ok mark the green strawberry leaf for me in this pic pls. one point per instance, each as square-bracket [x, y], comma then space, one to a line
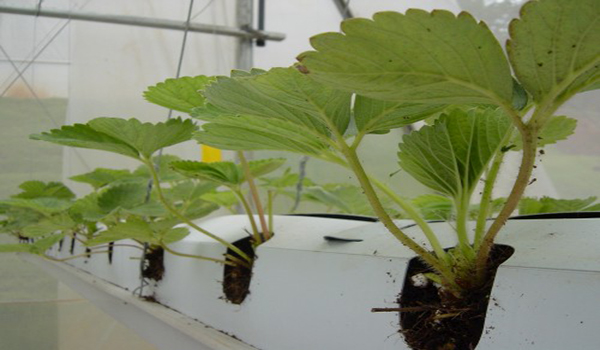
[56, 223]
[165, 173]
[284, 110]
[17, 218]
[557, 128]
[101, 177]
[376, 116]
[250, 133]
[83, 136]
[327, 198]
[222, 173]
[135, 228]
[419, 57]
[181, 94]
[198, 208]
[144, 232]
[189, 190]
[125, 196]
[530, 205]
[227, 174]
[146, 138]
[35, 189]
[283, 94]
[153, 208]
[44, 205]
[131, 137]
[450, 156]
[225, 199]
[434, 207]
[87, 208]
[554, 48]
[287, 179]
[344, 198]
[237, 73]
[174, 234]
[41, 245]
[265, 166]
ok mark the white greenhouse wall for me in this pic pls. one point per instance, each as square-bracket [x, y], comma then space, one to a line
[104, 68]
[22, 37]
[112, 65]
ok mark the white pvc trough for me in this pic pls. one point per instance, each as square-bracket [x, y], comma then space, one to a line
[310, 293]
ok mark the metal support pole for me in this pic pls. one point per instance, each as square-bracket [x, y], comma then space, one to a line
[343, 7]
[261, 21]
[244, 17]
[244, 54]
[241, 32]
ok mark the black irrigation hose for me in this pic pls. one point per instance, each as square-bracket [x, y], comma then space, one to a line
[339, 216]
[565, 215]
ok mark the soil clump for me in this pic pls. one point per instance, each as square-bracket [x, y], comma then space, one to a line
[433, 320]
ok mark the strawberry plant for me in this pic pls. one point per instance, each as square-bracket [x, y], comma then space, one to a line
[396, 69]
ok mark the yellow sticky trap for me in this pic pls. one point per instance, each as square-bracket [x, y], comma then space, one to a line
[211, 154]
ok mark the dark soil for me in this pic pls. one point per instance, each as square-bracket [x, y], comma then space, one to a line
[154, 268]
[236, 279]
[433, 320]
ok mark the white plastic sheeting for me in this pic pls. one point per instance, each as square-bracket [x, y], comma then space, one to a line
[24, 38]
[113, 64]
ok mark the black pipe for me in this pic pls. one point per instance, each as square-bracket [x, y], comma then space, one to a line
[261, 22]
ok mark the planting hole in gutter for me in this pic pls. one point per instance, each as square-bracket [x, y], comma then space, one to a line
[431, 319]
[88, 253]
[111, 249]
[154, 267]
[236, 279]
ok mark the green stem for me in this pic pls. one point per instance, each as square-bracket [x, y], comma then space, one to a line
[185, 220]
[445, 272]
[414, 215]
[404, 205]
[224, 262]
[462, 216]
[77, 238]
[357, 140]
[270, 198]
[74, 256]
[255, 233]
[529, 133]
[521, 182]
[116, 245]
[237, 261]
[266, 234]
[486, 196]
